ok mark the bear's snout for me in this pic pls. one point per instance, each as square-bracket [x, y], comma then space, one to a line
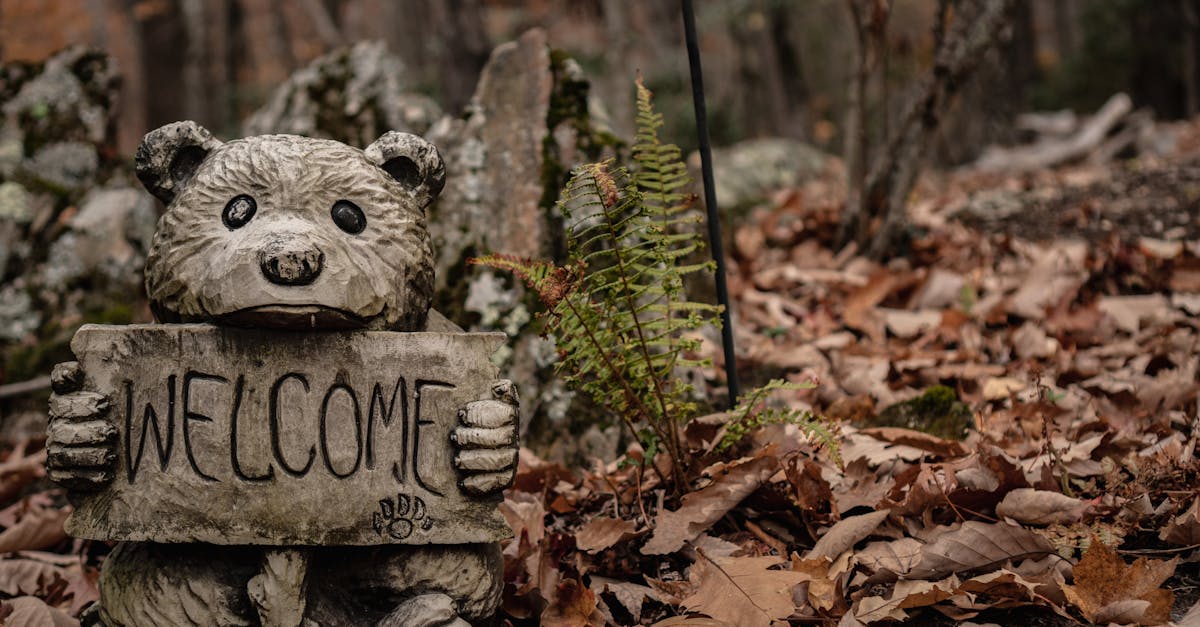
[288, 263]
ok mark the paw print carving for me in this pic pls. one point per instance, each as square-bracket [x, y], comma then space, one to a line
[398, 518]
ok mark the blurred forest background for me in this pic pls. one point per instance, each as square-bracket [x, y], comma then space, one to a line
[773, 67]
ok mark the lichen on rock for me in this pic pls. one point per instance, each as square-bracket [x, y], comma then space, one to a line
[353, 95]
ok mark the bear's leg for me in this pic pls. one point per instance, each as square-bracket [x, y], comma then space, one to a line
[377, 581]
[144, 583]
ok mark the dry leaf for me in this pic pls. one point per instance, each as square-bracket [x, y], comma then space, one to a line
[1160, 249]
[703, 508]
[742, 590]
[631, 596]
[897, 557]
[33, 612]
[19, 470]
[1056, 275]
[917, 439]
[909, 324]
[525, 515]
[859, 307]
[942, 289]
[1001, 584]
[603, 532]
[1183, 529]
[975, 545]
[1129, 312]
[574, 606]
[846, 533]
[25, 576]
[1031, 342]
[910, 593]
[1041, 507]
[857, 446]
[999, 388]
[83, 588]
[823, 593]
[38, 528]
[873, 609]
[713, 546]
[1108, 590]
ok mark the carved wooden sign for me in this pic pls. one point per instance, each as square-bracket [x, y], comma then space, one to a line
[231, 436]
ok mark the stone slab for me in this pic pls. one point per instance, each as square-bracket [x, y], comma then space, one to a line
[238, 436]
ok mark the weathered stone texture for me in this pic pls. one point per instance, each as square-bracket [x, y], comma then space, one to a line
[231, 436]
[495, 155]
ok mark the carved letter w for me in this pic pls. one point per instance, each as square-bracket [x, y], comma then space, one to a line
[149, 420]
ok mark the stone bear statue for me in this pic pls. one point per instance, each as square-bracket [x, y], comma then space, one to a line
[281, 231]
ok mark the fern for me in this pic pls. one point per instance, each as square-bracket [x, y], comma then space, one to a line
[617, 310]
[752, 413]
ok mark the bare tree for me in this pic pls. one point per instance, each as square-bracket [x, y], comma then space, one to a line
[1191, 55]
[964, 31]
[869, 19]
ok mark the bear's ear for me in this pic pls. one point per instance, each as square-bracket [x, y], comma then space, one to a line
[412, 161]
[168, 157]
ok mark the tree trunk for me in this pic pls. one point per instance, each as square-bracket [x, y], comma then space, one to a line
[962, 45]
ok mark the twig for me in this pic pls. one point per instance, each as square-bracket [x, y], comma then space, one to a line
[640, 498]
[778, 545]
[21, 388]
[1171, 551]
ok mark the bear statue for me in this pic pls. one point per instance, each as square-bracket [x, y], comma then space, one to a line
[296, 233]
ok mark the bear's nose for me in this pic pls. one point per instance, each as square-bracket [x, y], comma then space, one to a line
[283, 263]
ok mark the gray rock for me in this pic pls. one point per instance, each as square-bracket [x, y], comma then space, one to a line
[18, 318]
[12, 151]
[495, 153]
[69, 98]
[352, 95]
[108, 238]
[529, 122]
[67, 165]
[15, 204]
[747, 171]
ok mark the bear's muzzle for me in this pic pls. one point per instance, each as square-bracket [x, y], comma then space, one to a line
[283, 264]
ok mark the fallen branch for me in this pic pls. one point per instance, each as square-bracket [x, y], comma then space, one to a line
[1049, 152]
[21, 388]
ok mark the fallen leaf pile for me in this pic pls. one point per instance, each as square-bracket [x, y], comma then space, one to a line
[45, 577]
[1016, 412]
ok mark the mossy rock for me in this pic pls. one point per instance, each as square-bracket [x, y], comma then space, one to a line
[937, 412]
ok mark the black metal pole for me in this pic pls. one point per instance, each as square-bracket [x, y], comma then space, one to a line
[710, 200]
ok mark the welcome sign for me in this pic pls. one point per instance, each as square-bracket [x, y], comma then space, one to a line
[240, 436]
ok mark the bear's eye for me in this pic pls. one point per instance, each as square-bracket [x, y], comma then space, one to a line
[348, 217]
[238, 212]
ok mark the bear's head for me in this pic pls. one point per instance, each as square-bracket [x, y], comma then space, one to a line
[290, 232]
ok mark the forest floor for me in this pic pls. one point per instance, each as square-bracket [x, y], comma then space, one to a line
[1015, 398]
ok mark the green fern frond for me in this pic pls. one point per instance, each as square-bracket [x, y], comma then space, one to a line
[752, 413]
[552, 283]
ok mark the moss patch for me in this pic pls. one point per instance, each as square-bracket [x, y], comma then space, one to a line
[937, 412]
